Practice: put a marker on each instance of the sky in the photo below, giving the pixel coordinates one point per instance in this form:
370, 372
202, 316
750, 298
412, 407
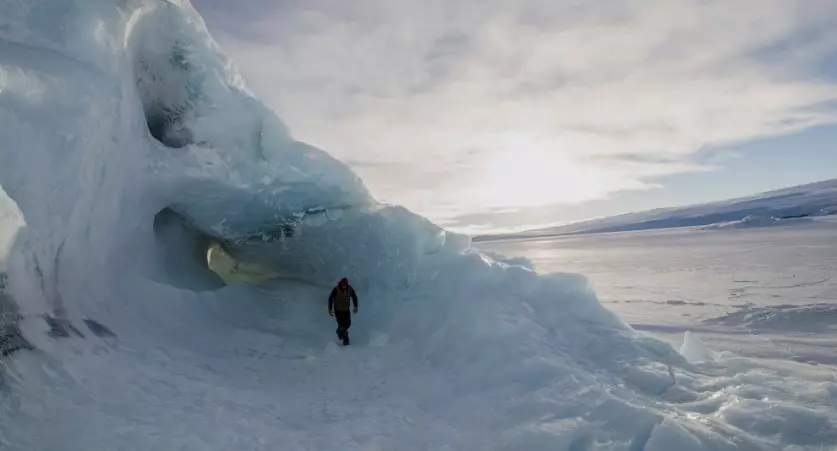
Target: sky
504, 115
500, 115
507, 114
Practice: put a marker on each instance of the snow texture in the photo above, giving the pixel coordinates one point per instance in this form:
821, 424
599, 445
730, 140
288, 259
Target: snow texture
131, 147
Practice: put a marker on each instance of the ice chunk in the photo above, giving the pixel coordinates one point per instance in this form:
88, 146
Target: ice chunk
670, 435
11, 220
693, 349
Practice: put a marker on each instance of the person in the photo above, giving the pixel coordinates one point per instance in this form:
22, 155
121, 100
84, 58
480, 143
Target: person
338, 307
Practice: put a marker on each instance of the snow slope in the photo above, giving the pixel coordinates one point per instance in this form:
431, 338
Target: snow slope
131, 147
776, 208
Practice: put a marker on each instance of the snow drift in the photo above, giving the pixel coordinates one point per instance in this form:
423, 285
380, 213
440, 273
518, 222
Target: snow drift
132, 147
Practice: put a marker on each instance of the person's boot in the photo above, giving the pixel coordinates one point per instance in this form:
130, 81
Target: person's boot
346, 338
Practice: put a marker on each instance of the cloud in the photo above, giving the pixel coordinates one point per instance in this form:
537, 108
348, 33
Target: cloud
461, 107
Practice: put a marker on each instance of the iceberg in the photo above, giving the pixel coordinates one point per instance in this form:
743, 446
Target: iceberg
145, 171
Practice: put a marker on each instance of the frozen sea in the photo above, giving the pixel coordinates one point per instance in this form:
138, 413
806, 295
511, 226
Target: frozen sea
769, 292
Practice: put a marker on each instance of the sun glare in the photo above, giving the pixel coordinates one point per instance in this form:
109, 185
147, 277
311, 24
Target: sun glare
532, 178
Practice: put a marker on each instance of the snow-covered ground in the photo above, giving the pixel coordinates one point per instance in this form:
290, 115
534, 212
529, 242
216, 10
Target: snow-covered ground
131, 147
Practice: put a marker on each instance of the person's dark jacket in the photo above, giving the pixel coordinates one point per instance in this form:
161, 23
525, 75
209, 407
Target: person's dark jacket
338, 300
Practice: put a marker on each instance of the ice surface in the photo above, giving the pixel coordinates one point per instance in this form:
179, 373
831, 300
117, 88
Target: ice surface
763, 292
131, 147
761, 301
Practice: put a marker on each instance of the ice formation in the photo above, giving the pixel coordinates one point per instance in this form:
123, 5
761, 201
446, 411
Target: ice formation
131, 146
693, 349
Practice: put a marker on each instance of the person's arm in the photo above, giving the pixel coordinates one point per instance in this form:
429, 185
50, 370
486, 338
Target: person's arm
354, 298
331, 299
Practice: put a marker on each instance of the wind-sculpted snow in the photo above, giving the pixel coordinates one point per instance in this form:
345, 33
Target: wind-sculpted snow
131, 147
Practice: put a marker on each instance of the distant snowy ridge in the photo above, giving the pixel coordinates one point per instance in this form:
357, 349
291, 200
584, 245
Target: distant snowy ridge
774, 208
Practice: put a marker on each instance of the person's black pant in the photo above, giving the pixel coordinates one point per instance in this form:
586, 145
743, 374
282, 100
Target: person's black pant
344, 322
